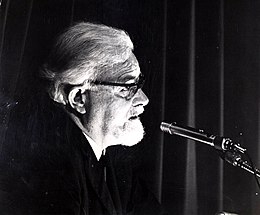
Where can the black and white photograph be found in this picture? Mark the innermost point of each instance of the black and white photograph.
(119, 107)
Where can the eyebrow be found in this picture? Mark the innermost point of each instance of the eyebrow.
(128, 77)
(120, 83)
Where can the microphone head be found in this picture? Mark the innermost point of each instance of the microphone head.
(165, 127)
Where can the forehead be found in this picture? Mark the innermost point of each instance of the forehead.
(125, 71)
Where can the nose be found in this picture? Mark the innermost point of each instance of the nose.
(140, 98)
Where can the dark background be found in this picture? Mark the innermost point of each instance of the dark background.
(201, 61)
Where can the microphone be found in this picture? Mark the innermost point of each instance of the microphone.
(226, 148)
(219, 143)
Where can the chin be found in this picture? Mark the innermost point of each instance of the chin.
(132, 133)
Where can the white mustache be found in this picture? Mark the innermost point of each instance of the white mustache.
(137, 111)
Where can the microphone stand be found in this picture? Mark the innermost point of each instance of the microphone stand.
(236, 159)
(226, 148)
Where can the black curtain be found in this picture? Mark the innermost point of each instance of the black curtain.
(201, 60)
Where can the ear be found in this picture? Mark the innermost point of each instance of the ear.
(77, 99)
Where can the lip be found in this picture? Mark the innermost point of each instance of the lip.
(134, 114)
(133, 118)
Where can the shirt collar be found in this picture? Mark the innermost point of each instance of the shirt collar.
(96, 148)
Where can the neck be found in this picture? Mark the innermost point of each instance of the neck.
(94, 132)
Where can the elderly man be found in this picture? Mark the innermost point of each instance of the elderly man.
(95, 75)
(54, 157)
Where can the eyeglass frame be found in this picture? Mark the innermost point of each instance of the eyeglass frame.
(139, 84)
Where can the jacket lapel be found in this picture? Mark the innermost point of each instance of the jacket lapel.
(95, 174)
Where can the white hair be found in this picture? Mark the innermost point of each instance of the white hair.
(84, 52)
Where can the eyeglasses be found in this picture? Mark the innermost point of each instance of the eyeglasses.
(129, 90)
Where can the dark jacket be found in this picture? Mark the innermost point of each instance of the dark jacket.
(48, 167)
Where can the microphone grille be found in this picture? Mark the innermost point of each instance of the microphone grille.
(165, 127)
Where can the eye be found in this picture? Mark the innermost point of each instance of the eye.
(123, 91)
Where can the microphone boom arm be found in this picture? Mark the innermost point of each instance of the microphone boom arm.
(220, 143)
(228, 150)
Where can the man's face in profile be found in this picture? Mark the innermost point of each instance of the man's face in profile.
(116, 109)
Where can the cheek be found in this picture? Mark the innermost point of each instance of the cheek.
(119, 111)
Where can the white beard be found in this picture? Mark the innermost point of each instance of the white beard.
(128, 135)
(133, 133)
